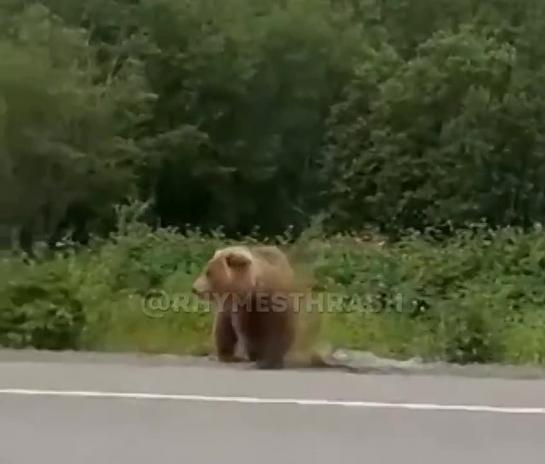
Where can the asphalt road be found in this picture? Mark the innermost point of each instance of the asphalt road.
(80, 409)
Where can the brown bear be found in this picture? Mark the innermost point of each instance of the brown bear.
(253, 289)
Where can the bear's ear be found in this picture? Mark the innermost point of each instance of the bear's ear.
(237, 260)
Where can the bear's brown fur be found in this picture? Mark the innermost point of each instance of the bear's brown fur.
(254, 290)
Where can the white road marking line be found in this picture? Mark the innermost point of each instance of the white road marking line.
(255, 400)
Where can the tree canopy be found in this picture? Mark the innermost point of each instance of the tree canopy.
(397, 115)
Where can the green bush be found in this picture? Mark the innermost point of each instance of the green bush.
(476, 297)
(39, 307)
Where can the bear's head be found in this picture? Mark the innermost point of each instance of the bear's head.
(230, 270)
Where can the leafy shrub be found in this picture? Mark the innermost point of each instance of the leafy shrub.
(39, 308)
(476, 297)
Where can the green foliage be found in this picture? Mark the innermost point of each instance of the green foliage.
(476, 297)
(64, 121)
(243, 91)
(38, 307)
(397, 115)
(468, 299)
(449, 136)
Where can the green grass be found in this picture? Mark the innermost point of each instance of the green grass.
(474, 298)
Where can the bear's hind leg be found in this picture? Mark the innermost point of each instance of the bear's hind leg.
(271, 355)
(270, 362)
(274, 347)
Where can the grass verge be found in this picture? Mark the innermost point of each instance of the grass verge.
(477, 297)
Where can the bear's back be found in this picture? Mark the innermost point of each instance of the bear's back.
(275, 270)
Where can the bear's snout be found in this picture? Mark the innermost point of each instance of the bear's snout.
(199, 287)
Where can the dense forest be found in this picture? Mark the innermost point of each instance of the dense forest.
(406, 114)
